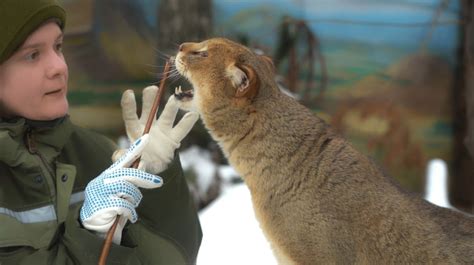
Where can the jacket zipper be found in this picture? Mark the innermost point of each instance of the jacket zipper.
(50, 180)
(31, 146)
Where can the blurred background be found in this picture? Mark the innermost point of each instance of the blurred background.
(394, 77)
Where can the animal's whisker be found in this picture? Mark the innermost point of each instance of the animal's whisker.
(171, 72)
(161, 53)
(172, 82)
(168, 76)
(155, 66)
(174, 76)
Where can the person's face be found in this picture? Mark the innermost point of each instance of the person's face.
(33, 81)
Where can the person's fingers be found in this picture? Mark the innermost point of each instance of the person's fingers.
(184, 126)
(129, 115)
(117, 154)
(142, 165)
(124, 189)
(135, 176)
(105, 213)
(132, 154)
(125, 209)
(129, 105)
(168, 115)
(148, 97)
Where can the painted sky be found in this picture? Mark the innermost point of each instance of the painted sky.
(386, 22)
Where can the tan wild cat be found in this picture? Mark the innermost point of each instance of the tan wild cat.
(318, 200)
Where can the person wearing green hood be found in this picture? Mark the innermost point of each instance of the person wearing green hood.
(60, 191)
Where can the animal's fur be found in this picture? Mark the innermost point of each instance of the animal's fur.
(318, 200)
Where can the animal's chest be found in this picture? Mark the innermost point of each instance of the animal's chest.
(287, 219)
(300, 230)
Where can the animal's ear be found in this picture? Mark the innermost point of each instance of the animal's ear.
(269, 62)
(245, 80)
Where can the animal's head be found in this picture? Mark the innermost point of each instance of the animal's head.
(225, 71)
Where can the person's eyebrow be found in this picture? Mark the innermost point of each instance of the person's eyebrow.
(31, 46)
(60, 36)
(38, 44)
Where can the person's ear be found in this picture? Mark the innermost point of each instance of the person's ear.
(245, 81)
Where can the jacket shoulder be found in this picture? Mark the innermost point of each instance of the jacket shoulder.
(92, 138)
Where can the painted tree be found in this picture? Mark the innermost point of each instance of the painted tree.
(461, 184)
(182, 21)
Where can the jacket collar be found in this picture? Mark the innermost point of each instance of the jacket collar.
(48, 136)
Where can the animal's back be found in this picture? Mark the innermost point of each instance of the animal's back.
(326, 201)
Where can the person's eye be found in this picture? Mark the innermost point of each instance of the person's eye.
(32, 56)
(59, 47)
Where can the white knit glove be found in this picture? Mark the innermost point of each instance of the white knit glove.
(115, 192)
(164, 138)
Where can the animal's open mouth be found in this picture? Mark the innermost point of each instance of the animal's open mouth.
(179, 93)
(183, 95)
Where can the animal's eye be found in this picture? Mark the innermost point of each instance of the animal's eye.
(199, 53)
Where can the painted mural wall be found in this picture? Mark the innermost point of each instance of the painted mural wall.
(380, 71)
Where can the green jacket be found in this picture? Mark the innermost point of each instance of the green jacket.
(44, 169)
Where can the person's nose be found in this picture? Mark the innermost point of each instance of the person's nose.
(57, 66)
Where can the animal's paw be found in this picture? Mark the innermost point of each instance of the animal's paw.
(184, 99)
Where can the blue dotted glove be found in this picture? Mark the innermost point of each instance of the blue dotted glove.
(115, 192)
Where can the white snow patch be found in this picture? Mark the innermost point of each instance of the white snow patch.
(200, 161)
(437, 183)
(231, 234)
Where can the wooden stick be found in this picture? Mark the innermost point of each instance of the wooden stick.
(151, 117)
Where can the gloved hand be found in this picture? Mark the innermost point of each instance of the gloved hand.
(115, 192)
(164, 139)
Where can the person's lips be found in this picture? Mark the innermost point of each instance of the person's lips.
(53, 91)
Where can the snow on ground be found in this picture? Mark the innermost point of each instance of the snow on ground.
(200, 161)
(436, 183)
(231, 232)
